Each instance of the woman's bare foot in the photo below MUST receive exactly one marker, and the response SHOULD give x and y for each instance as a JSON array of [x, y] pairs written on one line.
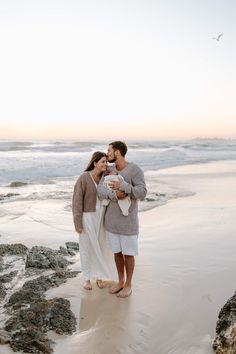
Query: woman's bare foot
[[100, 284], [88, 285], [116, 289], [125, 292]]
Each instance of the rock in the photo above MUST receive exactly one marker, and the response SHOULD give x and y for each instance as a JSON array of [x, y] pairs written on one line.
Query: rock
[[30, 340], [45, 258], [2, 292], [225, 341], [9, 195], [13, 249], [4, 337], [6, 278], [150, 199], [31, 314], [72, 248], [1, 264], [29, 325], [44, 283], [63, 251], [33, 290], [24, 296], [17, 184], [72, 245]]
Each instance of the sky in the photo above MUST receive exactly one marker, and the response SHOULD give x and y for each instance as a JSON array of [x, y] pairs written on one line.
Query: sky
[[127, 69]]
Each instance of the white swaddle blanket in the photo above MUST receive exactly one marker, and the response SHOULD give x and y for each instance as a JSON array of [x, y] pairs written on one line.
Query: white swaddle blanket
[[124, 204]]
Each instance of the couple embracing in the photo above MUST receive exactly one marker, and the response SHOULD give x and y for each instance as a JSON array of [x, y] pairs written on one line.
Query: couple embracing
[[105, 212]]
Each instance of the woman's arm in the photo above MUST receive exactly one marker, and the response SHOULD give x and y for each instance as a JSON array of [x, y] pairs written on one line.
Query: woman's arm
[[78, 205]]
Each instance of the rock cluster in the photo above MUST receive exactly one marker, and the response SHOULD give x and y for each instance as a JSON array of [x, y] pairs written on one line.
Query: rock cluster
[[29, 314], [225, 341]]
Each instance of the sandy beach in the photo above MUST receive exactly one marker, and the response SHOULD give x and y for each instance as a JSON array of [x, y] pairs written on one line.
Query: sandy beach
[[184, 274]]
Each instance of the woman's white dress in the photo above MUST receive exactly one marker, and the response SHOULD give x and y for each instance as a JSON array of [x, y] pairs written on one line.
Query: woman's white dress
[[96, 259]]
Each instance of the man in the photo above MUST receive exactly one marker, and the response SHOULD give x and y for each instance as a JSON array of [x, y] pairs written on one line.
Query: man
[[122, 231]]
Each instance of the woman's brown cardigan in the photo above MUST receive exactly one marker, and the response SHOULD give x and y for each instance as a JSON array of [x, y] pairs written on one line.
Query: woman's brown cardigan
[[84, 199]]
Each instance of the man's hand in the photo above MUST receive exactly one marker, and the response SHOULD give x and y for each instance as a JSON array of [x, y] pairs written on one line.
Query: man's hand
[[115, 185], [121, 195]]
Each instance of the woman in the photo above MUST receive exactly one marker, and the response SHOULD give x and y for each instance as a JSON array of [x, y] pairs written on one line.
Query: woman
[[88, 213]]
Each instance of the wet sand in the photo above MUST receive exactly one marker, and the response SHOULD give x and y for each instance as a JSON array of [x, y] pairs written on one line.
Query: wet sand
[[184, 274]]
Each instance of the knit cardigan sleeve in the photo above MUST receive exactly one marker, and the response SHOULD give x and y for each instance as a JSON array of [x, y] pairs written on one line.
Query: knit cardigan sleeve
[[78, 204]]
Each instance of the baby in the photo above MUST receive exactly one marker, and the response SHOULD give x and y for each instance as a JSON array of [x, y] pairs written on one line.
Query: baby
[[124, 204]]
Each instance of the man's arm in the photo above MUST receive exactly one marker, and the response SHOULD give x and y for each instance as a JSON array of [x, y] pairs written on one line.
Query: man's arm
[[105, 193], [137, 189]]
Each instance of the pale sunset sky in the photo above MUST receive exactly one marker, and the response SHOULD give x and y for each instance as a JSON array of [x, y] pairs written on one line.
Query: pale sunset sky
[[128, 69]]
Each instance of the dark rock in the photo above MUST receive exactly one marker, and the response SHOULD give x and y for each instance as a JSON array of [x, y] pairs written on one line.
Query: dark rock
[[63, 251], [73, 246], [13, 249], [4, 337], [29, 272], [150, 199], [31, 314], [33, 290], [17, 184], [45, 258], [44, 283], [9, 195], [30, 340], [2, 292], [45, 315], [6, 278], [24, 296], [225, 341], [1, 264]]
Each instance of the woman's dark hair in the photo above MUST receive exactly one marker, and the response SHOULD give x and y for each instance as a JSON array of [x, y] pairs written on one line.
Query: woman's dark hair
[[121, 146], [97, 155]]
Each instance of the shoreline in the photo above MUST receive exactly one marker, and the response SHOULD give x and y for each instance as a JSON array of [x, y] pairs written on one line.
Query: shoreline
[[183, 276]]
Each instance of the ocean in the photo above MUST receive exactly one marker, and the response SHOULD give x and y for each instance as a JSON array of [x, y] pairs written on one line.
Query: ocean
[[48, 170]]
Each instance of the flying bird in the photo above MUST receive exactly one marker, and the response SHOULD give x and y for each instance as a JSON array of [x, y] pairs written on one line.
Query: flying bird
[[218, 38]]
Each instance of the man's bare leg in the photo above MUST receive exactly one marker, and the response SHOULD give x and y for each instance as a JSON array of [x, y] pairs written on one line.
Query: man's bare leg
[[120, 266], [129, 267]]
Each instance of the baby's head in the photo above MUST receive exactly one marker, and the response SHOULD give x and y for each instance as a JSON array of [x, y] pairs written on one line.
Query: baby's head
[[112, 172]]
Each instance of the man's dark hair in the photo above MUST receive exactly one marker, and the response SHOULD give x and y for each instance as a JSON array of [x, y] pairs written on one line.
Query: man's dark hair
[[121, 146]]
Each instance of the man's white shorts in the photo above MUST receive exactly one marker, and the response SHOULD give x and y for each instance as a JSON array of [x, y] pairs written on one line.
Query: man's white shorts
[[127, 245]]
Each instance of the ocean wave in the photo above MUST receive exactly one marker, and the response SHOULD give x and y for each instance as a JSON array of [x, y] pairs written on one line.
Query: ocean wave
[[65, 146], [42, 161]]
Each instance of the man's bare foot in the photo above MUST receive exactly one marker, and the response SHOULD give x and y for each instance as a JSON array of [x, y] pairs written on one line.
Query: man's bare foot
[[125, 292], [100, 284], [87, 285], [116, 289]]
